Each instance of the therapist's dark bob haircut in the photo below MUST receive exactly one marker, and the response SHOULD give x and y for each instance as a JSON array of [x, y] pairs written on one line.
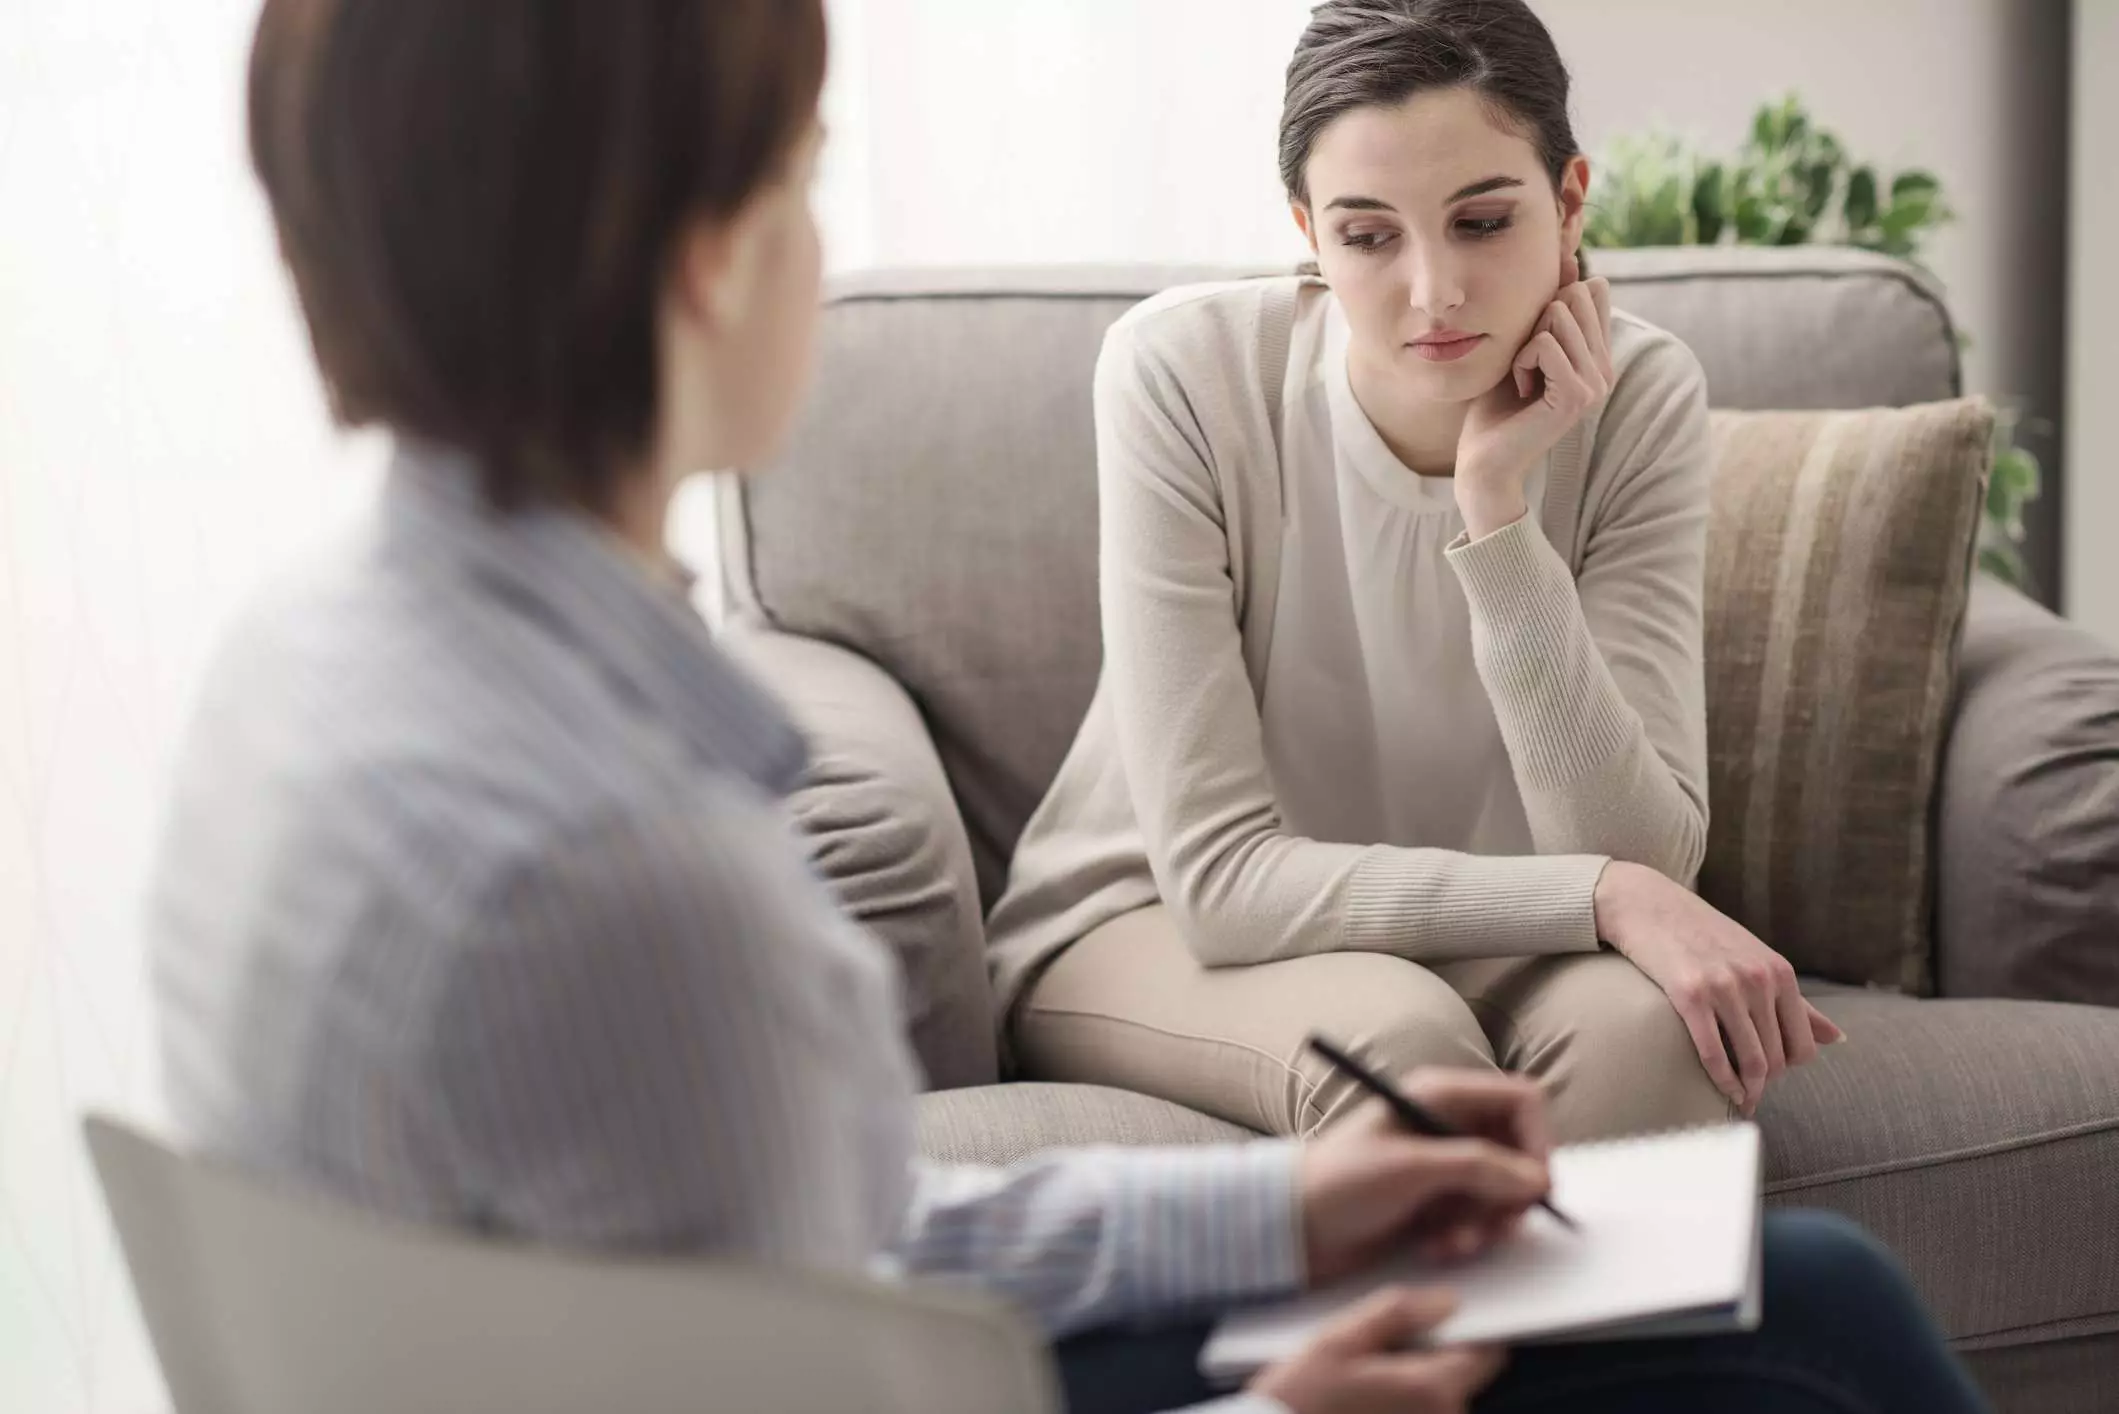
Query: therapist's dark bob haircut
[[479, 201]]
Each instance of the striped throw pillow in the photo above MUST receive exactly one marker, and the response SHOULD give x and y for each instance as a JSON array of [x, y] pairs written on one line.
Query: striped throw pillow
[[1839, 556]]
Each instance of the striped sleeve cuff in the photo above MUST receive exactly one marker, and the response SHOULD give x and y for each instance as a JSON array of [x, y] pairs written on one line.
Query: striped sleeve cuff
[[1474, 906], [1535, 651], [1209, 1225]]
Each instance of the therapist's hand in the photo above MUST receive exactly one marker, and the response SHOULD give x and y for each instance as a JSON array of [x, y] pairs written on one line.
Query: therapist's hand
[[1370, 1187], [1359, 1365], [1737, 996]]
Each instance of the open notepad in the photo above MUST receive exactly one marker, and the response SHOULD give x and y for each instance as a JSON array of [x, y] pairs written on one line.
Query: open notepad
[[1669, 1245]]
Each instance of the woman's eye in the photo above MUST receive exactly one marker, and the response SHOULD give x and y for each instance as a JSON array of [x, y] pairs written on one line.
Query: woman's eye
[[1479, 228], [1366, 240]]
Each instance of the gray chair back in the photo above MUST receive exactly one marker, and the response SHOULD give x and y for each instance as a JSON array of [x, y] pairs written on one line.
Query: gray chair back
[[264, 1301], [936, 507]]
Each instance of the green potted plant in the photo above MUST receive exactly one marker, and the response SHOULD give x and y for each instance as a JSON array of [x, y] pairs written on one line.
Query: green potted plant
[[1793, 183]]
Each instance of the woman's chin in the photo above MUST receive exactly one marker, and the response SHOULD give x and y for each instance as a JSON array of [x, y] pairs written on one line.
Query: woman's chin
[[1458, 382]]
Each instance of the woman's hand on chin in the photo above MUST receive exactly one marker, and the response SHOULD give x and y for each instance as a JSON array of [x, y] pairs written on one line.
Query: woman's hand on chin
[[1562, 372]]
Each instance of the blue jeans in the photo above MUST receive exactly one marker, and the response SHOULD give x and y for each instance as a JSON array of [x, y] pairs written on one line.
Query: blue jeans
[[1843, 1334]]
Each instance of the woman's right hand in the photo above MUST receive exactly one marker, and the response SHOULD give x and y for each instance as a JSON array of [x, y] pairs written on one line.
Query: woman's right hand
[[1736, 995], [1358, 1363]]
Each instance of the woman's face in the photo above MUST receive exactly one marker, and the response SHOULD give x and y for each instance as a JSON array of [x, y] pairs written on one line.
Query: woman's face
[[1442, 237]]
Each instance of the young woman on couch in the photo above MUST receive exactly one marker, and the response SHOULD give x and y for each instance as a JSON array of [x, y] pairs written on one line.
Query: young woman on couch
[[1401, 733]]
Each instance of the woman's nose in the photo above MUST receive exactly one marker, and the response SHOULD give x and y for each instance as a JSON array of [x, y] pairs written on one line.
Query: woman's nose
[[1436, 288]]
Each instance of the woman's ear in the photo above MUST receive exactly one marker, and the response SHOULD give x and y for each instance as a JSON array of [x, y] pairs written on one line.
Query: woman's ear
[[1301, 213], [1574, 211]]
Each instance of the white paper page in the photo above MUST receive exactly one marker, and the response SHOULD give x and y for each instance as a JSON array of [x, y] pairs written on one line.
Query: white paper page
[[1669, 1224]]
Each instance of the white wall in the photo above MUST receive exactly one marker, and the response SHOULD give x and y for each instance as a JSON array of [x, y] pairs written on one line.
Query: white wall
[[2093, 327], [161, 442]]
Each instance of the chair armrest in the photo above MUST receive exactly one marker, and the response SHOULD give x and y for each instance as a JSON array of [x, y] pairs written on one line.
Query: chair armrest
[[883, 831], [2027, 899]]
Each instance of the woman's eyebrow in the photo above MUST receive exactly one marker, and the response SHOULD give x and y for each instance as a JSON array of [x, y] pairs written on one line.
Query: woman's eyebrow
[[1482, 187], [1478, 188]]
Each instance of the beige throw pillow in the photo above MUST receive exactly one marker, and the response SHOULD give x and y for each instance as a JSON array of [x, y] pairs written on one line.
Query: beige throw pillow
[[1838, 557]]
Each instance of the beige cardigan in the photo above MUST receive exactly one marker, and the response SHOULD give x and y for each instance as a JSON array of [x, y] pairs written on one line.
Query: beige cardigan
[[1586, 630]]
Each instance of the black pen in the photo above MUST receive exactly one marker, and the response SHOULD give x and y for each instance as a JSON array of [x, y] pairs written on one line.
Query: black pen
[[1412, 1115]]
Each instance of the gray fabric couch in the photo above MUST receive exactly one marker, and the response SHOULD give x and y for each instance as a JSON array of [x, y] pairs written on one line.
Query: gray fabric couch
[[917, 578]]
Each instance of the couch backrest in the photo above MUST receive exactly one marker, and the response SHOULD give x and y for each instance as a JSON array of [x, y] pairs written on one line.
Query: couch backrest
[[936, 507]]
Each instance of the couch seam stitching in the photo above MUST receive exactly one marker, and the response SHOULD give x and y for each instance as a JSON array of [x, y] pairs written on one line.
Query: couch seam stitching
[[1955, 1156]]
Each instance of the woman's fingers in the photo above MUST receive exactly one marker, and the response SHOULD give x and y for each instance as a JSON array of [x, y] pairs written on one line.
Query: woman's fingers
[[1734, 1014], [1793, 1015], [1543, 356], [1759, 999], [1600, 299], [1567, 328], [1580, 301], [1824, 1028], [1698, 1016]]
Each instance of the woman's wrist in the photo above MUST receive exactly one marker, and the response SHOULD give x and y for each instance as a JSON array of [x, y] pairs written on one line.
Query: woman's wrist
[[1617, 887], [1487, 508]]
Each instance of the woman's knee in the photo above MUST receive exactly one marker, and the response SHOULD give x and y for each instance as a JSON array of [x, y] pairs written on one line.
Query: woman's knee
[[1392, 1015], [1614, 1054], [1129, 1006]]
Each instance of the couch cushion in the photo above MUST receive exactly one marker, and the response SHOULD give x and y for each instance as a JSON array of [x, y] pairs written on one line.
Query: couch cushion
[[1980, 1140], [874, 811], [2029, 903], [998, 1124], [1839, 549], [936, 507], [1795, 327]]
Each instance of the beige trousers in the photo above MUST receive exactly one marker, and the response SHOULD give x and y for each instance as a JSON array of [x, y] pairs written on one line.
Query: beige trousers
[[1129, 1006]]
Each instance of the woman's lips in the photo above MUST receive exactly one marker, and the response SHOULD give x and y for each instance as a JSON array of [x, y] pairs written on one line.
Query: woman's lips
[[1449, 350]]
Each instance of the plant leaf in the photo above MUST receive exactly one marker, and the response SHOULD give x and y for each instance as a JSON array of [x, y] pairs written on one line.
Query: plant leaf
[[2005, 563], [1709, 203], [1861, 199], [1819, 178]]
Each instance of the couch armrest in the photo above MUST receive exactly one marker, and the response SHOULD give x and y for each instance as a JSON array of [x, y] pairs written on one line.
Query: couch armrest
[[884, 833], [2027, 900]]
